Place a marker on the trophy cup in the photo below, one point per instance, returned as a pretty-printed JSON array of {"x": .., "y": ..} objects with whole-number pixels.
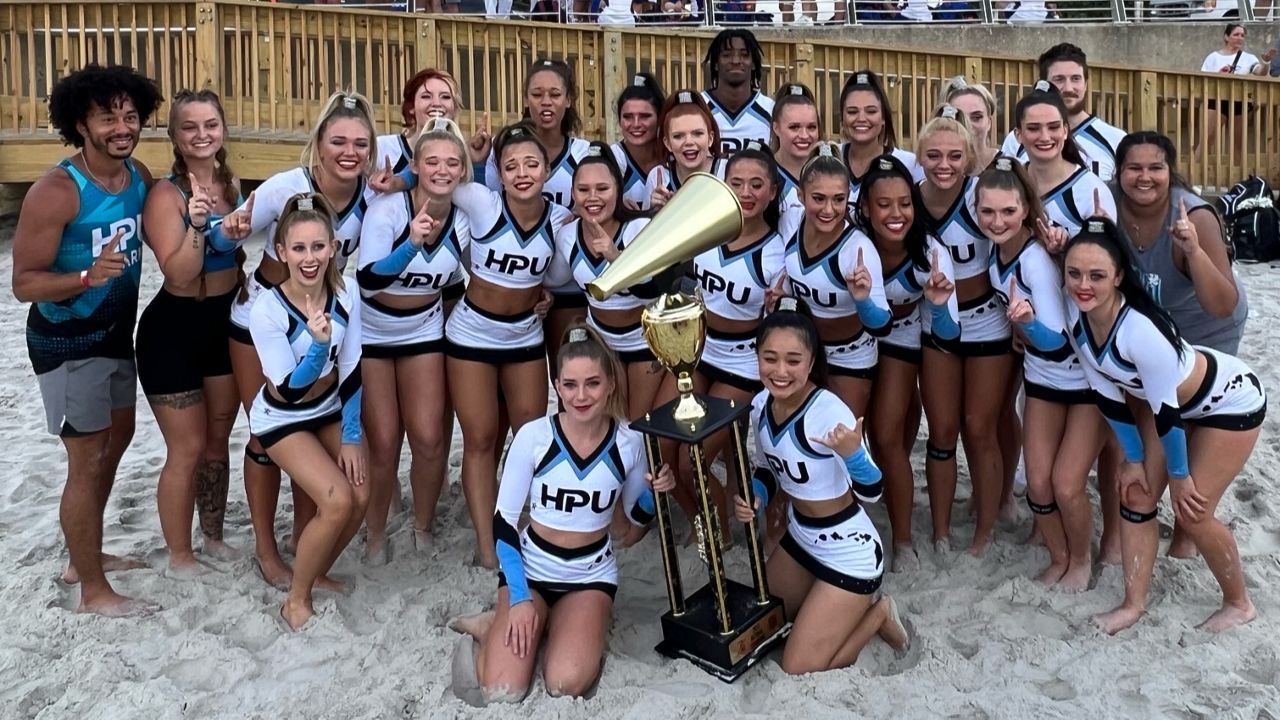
[{"x": 726, "y": 626}]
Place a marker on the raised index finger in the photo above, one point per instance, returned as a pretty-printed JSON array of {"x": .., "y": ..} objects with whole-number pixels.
[
  {"x": 858, "y": 261},
  {"x": 1182, "y": 208}
]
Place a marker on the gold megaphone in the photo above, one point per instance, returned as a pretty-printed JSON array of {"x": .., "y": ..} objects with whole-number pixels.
[{"x": 704, "y": 213}]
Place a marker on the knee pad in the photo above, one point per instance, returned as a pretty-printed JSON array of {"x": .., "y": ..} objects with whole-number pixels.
[
  {"x": 1136, "y": 517},
  {"x": 1039, "y": 509},
  {"x": 936, "y": 453},
  {"x": 260, "y": 458}
]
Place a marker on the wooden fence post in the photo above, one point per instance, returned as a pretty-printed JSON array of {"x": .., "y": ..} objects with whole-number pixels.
[
  {"x": 1147, "y": 109},
  {"x": 804, "y": 73},
  {"x": 208, "y": 47},
  {"x": 614, "y": 69},
  {"x": 973, "y": 71},
  {"x": 426, "y": 46}
]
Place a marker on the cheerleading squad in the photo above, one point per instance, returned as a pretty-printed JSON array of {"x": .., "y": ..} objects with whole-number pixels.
[{"x": 871, "y": 289}]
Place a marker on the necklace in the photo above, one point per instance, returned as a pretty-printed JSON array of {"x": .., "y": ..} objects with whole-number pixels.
[{"x": 96, "y": 179}]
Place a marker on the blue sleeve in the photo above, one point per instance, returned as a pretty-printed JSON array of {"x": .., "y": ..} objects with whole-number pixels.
[
  {"x": 764, "y": 485},
  {"x": 867, "y": 479},
  {"x": 351, "y": 391},
  {"x": 477, "y": 172},
  {"x": 511, "y": 560},
  {"x": 409, "y": 176},
  {"x": 1120, "y": 418},
  {"x": 219, "y": 241},
  {"x": 943, "y": 324},
  {"x": 298, "y": 382},
  {"x": 393, "y": 264},
  {"x": 1175, "y": 452},
  {"x": 644, "y": 509},
  {"x": 872, "y": 315},
  {"x": 1042, "y": 337}
]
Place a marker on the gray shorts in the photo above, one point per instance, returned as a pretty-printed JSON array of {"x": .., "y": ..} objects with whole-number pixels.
[{"x": 79, "y": 395}]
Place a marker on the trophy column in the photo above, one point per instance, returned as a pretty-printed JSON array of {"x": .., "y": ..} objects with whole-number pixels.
[{"x": 662, "y": 509}]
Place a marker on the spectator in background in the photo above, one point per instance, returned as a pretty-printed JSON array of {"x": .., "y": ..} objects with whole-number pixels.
[
  {"x": 1066, "y": 67},
  {"x": 1232, "y": 59},
  {"x": 1272, "y": 57}
]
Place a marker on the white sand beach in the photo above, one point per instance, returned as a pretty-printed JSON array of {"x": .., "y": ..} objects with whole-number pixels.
[{"x": 988, "y": 642}]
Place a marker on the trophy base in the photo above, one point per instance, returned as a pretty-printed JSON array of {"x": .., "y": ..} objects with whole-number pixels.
[{"x": 696, "y": 637}]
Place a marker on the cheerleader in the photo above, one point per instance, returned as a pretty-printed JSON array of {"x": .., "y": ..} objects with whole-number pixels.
[
  {"x": 1069, "y": 192},
  {"x": 966, "y": 382},
  {"x": 734, "y": 278},
  {"x": 1062, "y": 430},
  {"x": 430, "y": 93},
  {"x": 640, "y": 150},
  {"x": 976, "y": 103},
  {"x": 1208, "y": 406},
  {"x": 796, "y": 129},
  {"x": 335, "y": 161},
  {"x": 306, "y": 330},
  {"x": 868, "y": 130},
  {"x": 550, "y": 94},
  {"x": 691, "y": 137},
  {"x": 411, "y": 249},
  {"x": 183, "y": 360},
  {"x": 832, "y": 266},
  {"x": 559, "y": 574},
  {"x": 494, "y": 337},
  {"x": 829, "y": 565},
  {"x": 916, "y": 266}
]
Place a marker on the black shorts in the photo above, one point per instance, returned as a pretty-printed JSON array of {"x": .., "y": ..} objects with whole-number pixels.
[{"x": 182, "y": 340}]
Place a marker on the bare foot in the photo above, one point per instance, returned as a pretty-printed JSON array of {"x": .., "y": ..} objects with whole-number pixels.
[
  {"x": 905, "y": 558},
  {"x": 275, "y": 572},
  {"x": 296, "y": 614},
  {"x": 112, "y": 604},
  {"x": 375, "y": 551},
  {"x": 1114, "y": 621},
  {"x": 218, "y": 550},
  {"x": 1008, "y": 512},
  {"x": 110, "y": 563},
  {"x": 328, "y": 582},
  {"x": 1077, "y": 577},
  {"x": 1052, "y": 574},
  {"x": 1229, "y": 616},
  {"x": 488, "y": 562},
  {"x": 892, "y": 631},
  {"x": 980, "y": 545},
  {"x": 474, "y": 625},
  {"x": 942, "y": 546},
  {"x": 183, "y": 563},
  {"x": 423, "y": 540}
]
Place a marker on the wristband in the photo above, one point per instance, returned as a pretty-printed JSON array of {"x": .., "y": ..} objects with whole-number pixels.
[{"x": 84, "y": 279}]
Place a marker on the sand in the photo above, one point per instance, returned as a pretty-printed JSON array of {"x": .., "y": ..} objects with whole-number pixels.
[{"x": 988, "y": 642}]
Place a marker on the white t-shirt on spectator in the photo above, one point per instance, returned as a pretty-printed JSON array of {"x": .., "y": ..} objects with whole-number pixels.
[
  {"x": 1029, "y": 12},
  {"x": 617, "y": 12},
  {"x": 917, "y": 10},
  {"x": 1218, "y": 60}
]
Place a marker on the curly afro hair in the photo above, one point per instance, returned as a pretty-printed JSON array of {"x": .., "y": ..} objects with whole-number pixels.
[{"x": 76, "y": 94}]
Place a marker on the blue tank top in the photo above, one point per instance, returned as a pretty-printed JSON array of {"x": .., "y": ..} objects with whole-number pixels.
[
  {"x": 99, "y": 321},
  {"x": 213, "y": 259}
]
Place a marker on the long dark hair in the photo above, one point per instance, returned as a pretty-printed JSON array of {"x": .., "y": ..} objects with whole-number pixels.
[
  {"x": 600, "y": 154},
  {"x": 869, "y": 81},
  {"x": 1046, "y": 94},
  {"x": 756, "y": 152},
  {"x": 571, "y": 123},
  {"x": 793, "y": 314},
  {"x": 1102, "y": 232},
  {"x": 888, "y": 167},
  {"x": 1161, "y": 141}
]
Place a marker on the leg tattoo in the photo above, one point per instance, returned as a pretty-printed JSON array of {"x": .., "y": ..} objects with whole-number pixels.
[{"x": 212, "y": 480}]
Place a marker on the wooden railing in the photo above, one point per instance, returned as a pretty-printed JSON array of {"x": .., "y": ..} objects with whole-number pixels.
[{"x": 275, "y": 64}]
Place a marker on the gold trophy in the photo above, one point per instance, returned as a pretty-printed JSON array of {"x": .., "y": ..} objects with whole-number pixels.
[{"x": 725, "y": 627}]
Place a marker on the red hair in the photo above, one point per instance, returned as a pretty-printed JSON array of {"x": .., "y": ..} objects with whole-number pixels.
[
  {"x": 416, "y": 82},
  {"x": 688, "y": 102}
]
